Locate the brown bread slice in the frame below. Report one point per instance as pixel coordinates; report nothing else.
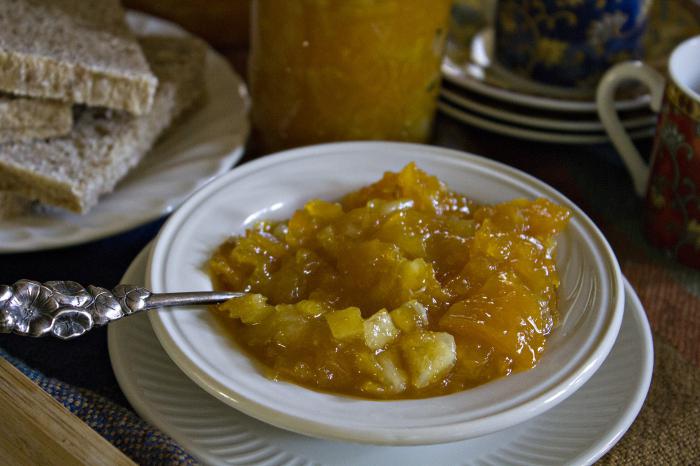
(23, 119)
(73, 171)
(13, 205)
(78, 51)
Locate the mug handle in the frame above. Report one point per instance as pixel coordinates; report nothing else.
(605, 101)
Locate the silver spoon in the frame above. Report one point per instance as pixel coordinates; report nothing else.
(67, 310)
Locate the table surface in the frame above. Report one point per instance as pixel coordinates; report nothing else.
(591, 176)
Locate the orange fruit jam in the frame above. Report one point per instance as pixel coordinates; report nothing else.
(402, 289)
(343, 70)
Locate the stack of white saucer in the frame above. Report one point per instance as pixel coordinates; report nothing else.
(479, 93)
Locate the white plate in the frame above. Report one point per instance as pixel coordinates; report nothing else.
(578, 431)
(479, 76)
(529, 117)
(591, 297)
(521, 132)
(204, 145)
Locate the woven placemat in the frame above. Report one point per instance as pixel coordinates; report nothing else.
(667, 431)
(135, 437)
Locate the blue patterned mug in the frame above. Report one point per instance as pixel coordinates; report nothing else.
(568, 43)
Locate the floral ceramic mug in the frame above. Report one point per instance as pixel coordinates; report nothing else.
(672, 179)
(567, 44)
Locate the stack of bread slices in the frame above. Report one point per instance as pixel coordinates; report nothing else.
(82, 100)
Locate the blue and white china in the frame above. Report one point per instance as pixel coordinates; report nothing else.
(568, 43)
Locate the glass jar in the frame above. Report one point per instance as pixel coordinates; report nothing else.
(333, 70)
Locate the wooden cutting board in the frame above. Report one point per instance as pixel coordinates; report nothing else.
(35, 429)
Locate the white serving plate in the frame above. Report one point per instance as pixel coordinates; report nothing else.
(576, 432)
(207, 143)
(591, 301)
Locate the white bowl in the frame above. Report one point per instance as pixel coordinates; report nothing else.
(591, 297)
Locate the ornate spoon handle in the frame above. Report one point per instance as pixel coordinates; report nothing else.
(66, 309)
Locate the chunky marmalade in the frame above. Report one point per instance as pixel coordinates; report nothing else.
(403, 289)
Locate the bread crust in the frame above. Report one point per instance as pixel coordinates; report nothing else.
(71, 172)
(13, 205)
(77, 51)
(23, 119)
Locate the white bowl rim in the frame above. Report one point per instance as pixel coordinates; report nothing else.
(555, 391)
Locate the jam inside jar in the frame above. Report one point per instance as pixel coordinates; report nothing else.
(325, 70)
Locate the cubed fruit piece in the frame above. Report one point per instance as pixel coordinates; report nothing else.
(290, 328)
(489, 242)
(323, 209)
(414, 274)
(346, 324)
(410, 316)
(280, 230)
(424, 189)
(329, 239)
(251, 308)
(379, 330)
(258, 247)
(546, 218)
(309, 308)
(406, 230)
(429, 356)
(414, 278)
(393, 376)
(384, 369)
(385, 208)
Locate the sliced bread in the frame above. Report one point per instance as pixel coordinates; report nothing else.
(73, 171)
(78, 51)
(23, 119)
(13, 205)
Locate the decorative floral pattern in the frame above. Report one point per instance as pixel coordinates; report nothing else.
(568, 43)
(607, 28)
(64, 309)
(673, 220)
(550, 51)
(673, 139)
(30, 307)
(693, 232)
(679, 99)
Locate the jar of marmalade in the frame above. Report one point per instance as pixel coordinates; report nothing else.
(333, 70)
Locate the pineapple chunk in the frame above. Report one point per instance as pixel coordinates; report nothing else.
(429, 356)
(379, 330)
(289, 327)
(384, 369)
(309, 308)
(323, 209)
(406, 230)
(251, 308)
(410, 316)
(346, 324)
(414, 274)
(393, 376)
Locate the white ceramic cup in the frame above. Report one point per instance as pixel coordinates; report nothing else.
(671, 181)
(684, 73)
